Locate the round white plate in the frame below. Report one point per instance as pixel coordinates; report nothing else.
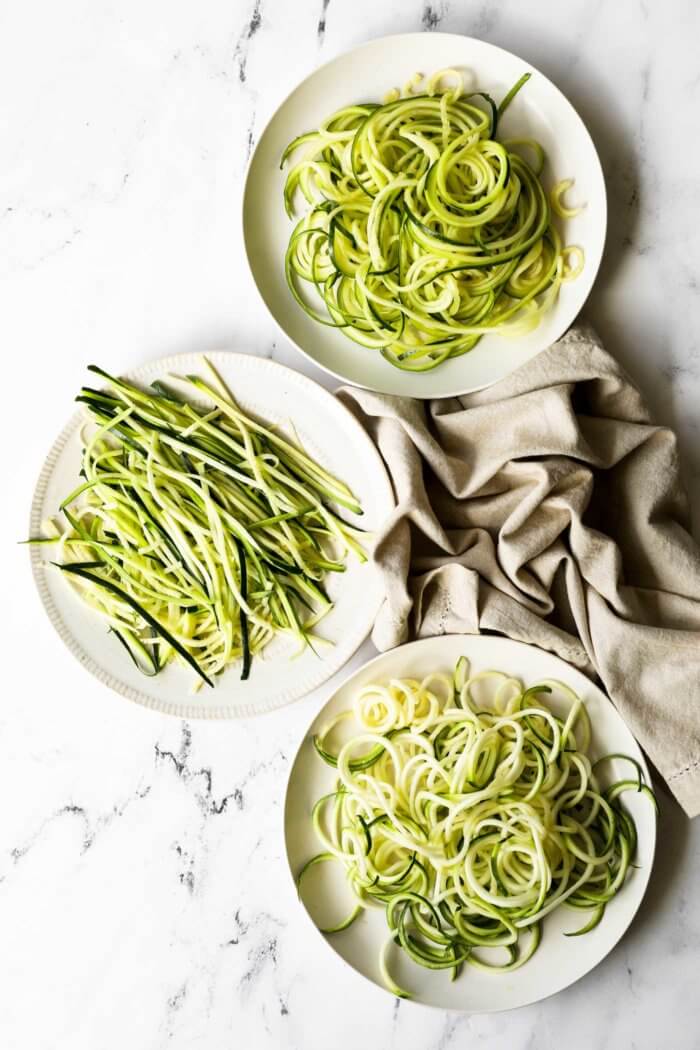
(332, 436)
(559, 961)
(366, 74)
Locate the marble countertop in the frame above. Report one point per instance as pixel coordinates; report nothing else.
(144, 898)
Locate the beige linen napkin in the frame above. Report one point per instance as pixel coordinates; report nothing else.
(549, 508)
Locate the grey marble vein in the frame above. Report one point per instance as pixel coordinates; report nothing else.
(92, 827)
(243, 45)
(321, 28)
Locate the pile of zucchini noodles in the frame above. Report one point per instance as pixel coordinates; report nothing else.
(469, 823)
(423, 231)
(198, 533)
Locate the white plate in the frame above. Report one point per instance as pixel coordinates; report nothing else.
(558, 961)
(329, 433)
(365, 74)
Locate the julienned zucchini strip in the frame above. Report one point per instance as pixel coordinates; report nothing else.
(121, 594)
(198, 533)
(469, 811)
(422, 231)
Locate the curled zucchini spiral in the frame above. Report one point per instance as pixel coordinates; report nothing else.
(422, 231)
(469, 810)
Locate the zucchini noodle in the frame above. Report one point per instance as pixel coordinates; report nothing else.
(422, 232)
(468, 810)
(558, 206)
(198, 534)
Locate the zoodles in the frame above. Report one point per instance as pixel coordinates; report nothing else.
(469, 818)
(423, 230)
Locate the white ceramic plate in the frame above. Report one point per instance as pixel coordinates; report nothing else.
(329, 433)
(365, 74)
(558, 961)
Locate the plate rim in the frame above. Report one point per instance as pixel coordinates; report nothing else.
(419, 642)
(141, 697)
(595, 264)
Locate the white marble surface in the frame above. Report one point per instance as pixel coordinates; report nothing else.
(144, 900)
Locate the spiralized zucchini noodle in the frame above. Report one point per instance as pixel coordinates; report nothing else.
(198, 534)
(469, 810)
(423, 231)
